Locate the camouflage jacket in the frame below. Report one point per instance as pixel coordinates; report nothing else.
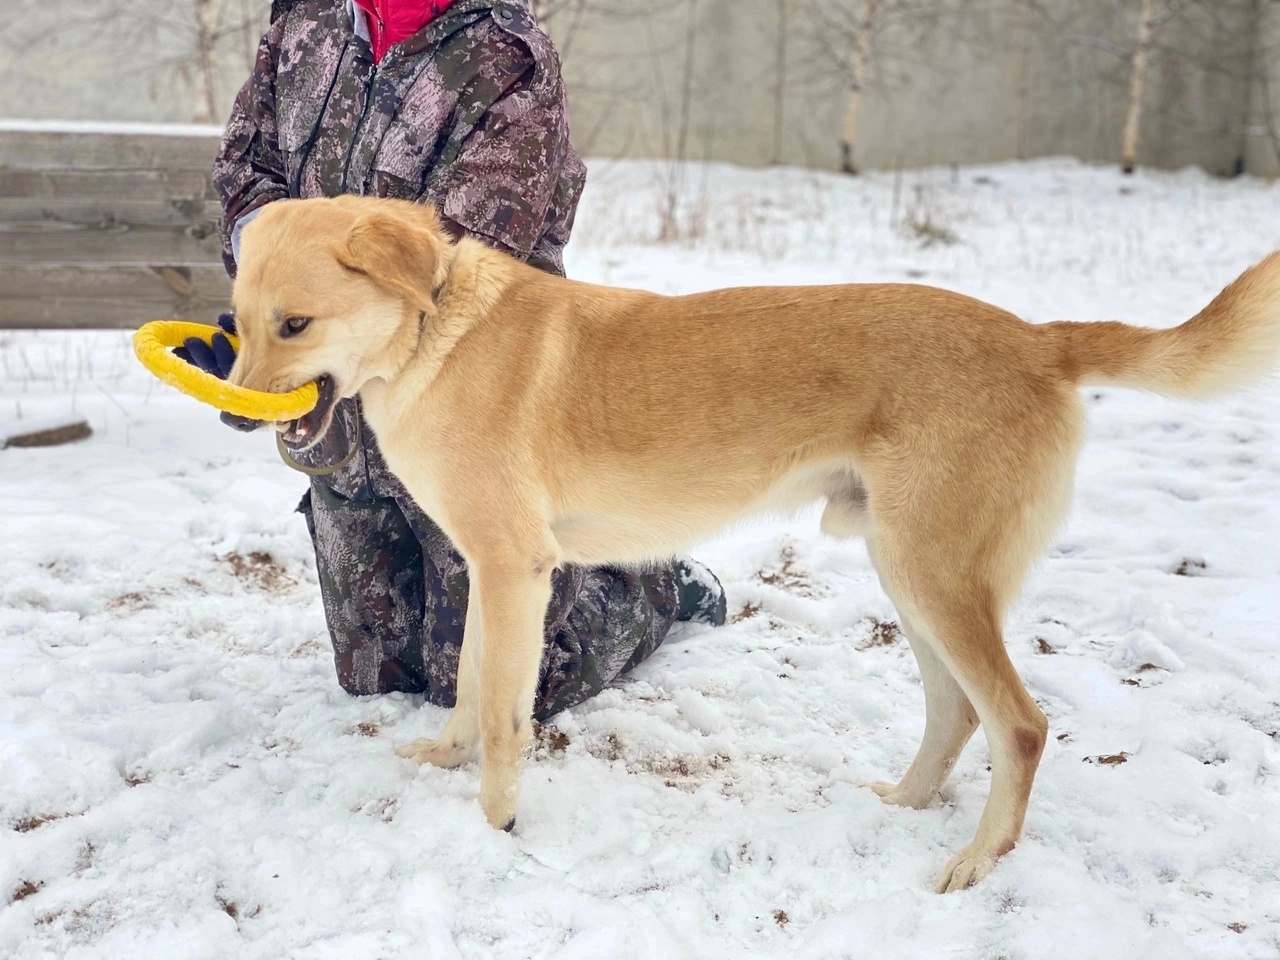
(468, 114)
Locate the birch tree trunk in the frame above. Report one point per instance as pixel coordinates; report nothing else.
(206, 60)
(1137, 80)
(857, 81)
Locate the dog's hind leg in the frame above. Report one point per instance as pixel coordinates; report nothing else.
(956, 607)
(949, 716)
(959, 519)
(972, 646)
(949, 722)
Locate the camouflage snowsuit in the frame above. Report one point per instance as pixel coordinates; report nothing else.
(468, 114)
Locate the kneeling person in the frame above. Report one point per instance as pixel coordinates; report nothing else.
(458, 103)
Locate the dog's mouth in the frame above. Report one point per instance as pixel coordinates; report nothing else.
(312, 425)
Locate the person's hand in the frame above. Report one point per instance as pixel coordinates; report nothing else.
(217, 357)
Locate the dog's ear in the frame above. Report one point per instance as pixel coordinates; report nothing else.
(398, 248)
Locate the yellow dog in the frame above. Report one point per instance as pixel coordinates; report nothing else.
(530, 416)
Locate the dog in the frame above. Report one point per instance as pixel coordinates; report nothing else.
(530, 417)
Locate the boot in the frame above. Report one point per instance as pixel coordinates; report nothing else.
(700, 594)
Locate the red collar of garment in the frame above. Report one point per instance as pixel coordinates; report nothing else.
(391, 21)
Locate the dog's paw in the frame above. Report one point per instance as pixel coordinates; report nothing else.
(967, 867)
(892, 793)
(499, 807)
(438, 753)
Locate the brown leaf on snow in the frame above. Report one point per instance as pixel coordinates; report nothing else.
(1108, 759)
(25, 889)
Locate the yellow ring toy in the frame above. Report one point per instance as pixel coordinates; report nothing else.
(153, 343)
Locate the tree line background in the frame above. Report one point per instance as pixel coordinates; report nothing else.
(839, 84)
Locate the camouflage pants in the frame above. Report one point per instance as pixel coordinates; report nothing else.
(395, 590)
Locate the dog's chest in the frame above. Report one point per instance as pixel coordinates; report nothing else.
(405, 439)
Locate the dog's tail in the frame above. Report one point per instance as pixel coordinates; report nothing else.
(1229, 344)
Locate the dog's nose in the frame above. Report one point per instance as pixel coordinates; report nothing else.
(243, 424)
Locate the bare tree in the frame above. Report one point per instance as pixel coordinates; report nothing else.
(857, 82)
(1137, 81)
(192, 40)
(1023, 27)
(675, 132)
(1204, 53)
(1201, 22)
(780, 76)
(205, 44)
(858, 41)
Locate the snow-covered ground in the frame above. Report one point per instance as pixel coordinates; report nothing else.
(181, 777)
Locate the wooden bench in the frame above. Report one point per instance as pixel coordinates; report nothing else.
(107, 226)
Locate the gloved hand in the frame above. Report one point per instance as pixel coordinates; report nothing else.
(217, 358)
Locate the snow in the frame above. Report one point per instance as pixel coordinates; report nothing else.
(183, 778)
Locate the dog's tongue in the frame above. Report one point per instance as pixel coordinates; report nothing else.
(299, 432)
(305, 428)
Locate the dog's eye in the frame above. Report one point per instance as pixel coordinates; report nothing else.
(293, 326)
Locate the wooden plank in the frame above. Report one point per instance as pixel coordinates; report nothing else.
(86, 296)
(155, 282)
(108, 229)
(125, 185)
(68, 314)
(102, 231)
(32, 213)
(110, 243)
(53, 150)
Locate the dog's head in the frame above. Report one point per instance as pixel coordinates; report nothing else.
(333, 290)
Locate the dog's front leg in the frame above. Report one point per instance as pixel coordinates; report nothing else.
(460, 737)
(514, 594)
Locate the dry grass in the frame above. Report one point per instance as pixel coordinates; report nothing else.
(27, 824)
(789, 576)
(549, 738)
(260, 570)
(929, 232)
(883, 633)
(130, 602)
